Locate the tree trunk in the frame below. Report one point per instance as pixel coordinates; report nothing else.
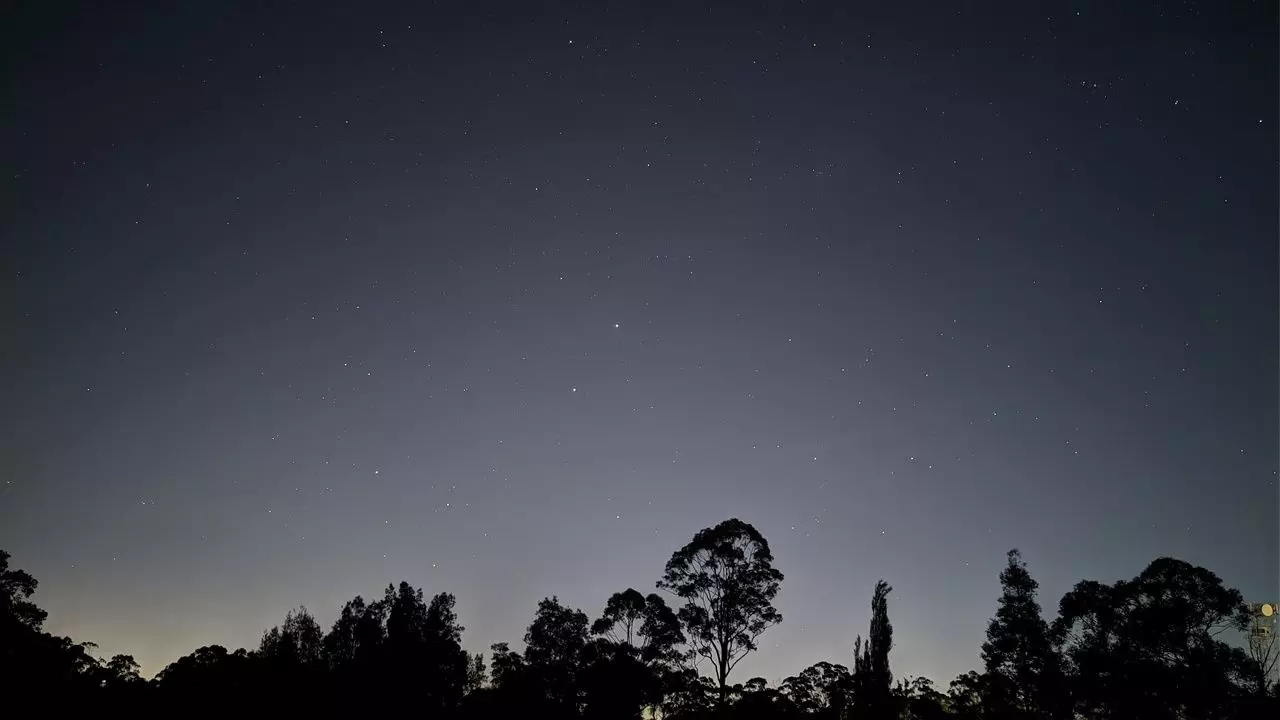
(722, 674)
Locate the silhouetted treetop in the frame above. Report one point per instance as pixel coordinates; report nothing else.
(726, 577)
(622, 616)
(298, 641)
(15, 587)
(645, 623)
(1024, 673)
(872, 679)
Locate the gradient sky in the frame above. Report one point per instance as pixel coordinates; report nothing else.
(510, 302)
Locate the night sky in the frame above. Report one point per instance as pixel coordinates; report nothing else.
(511, 301)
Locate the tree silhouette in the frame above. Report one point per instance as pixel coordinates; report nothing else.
(554, 646)
(421, 658)
(406, 614)
(1024, 674)
(726, 577)
(60, 669)
(635, 658)
(646, 623)
(121, 683)
(210, 675)
(616, 683)
(477, 673)
(622, 616)
(916, 699)
(872, 679)
(510, 692)
(755, 700)
(298, 642)
(966, 693)
(821, 690)
(690, 695)
(15, 587)
(123, 670)
(354, 649)
(342, 644)
(290, 661)
(446, 661)
(1149, 647)
(507, 665)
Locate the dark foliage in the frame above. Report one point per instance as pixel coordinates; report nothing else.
(15, 587)
(1023, 672)
(1149, 648)
(872, 680)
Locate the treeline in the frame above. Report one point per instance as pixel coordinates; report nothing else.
(1152, 647)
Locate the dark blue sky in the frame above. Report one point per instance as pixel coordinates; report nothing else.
(511, 301)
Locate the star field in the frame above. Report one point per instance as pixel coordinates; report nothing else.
(511, 301)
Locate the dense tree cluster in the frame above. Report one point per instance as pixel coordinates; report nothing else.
(1155, 647)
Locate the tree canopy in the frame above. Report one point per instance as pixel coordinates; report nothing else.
(726, 577)
(1151, 647)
